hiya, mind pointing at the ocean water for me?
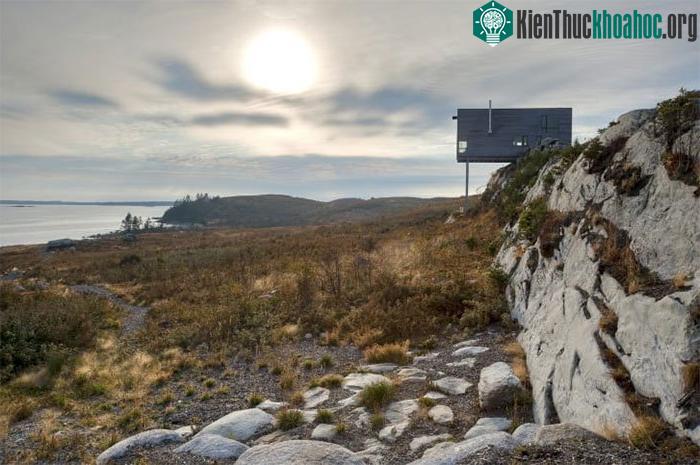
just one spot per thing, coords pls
(37, 224)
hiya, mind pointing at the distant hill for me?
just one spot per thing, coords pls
(255, 211)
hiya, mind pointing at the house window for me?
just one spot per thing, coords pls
(462, 146)
(520, 141)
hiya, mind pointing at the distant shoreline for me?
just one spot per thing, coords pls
(145, 203)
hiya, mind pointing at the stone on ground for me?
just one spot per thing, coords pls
(469, 350)
(453, 385)
(271, 406)
(425, 441)
(392, 432)
(498, 385)
(300, 452)
(323, 432)
(488, 425)
(151, 438)
(434, 395)
(525, 433)
(358, 381)
(454, 453)
(441, 414)
(372, 453)
(466, 362)
(426, 357)
(379, 368)
(351, 401)
(401, 410)
(240, 425)
(213, 447)
(315, 397)
(552, 434)
(469, 342)
(411, 372)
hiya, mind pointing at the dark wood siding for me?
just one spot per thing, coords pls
(508, 125)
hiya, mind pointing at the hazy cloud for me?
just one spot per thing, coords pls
(72, 98)
(245, 119)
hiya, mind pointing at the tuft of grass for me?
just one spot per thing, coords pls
(131, 420)
(289, 419)
(332, 381)
(223, 391)
(388, 353)
(648, 432)
(20, 410)
(165, 398)
(518, 362)
(254, 399)
(608, 322)
(375, 396)
(297, 399)
(308, 364)
(324, 416)
(377, 421)
(209, 382)
(287, 380)
(190, 390)
(341, 428)
(427, 402)
(326, 361)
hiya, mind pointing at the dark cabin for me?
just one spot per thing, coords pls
(505, 134)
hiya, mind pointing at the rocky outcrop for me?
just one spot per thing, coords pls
(299, 453)
(608, 293)
(146, 439)
(240, 425)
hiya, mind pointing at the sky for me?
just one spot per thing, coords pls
(126, 100)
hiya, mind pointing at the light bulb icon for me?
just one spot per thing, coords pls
(493, 21)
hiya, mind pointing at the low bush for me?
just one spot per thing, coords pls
(255, 399)
(332, 381)
(532, 218)
(324, 416)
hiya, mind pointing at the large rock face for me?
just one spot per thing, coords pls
(649, 334)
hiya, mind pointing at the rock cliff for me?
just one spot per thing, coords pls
(603, 265)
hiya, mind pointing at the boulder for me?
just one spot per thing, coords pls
(146, 439)
(213, 447)
(552, 434)
(434, 395)
(469, 350)
(372, 453)
(469, 342)
(441, 414)
(401, 410)
(301, 452)
(454, 453)
(391, 433)
(315, 397)
(525, 433)
(488, 426)
(412, 373)
(358, 381)
(240, 425)
(425, 441)
(324, 432)
(453, 385)
(426, 357)
(498, 386)
(352, 401)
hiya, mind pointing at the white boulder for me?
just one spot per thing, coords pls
(497, 386)
(240, 425)
(213, 446)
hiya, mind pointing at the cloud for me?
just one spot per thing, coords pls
(81, 99)
(246, 119)
(181, 78)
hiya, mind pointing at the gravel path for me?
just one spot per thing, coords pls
(135, 315)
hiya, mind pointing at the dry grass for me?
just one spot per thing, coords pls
(648, 432)
(289, 419)
(691, 375)
(332, 381)
(679, 280)
(296, 399)
(288, 380)
(608, 322)
(388, 353)
(518, 362)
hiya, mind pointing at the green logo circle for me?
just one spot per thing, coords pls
(493, 23)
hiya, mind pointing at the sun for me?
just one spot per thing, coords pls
(280, 61)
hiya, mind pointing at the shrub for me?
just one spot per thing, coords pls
(35, 325)
(376, 396)
(677, 115)
(209, 382)
(308, 364)
(287, 380)
(190, 390)
(254, 399)
(324, 416)
(599, 155)
(331, 381)
(532, 218)
(341, 427)
(289, 419)
(427, 402)
(388, 353)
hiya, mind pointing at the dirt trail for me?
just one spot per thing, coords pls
(135, 315)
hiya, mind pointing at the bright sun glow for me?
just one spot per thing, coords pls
(280, 61)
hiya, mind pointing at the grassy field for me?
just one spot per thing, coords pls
(215, 294)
